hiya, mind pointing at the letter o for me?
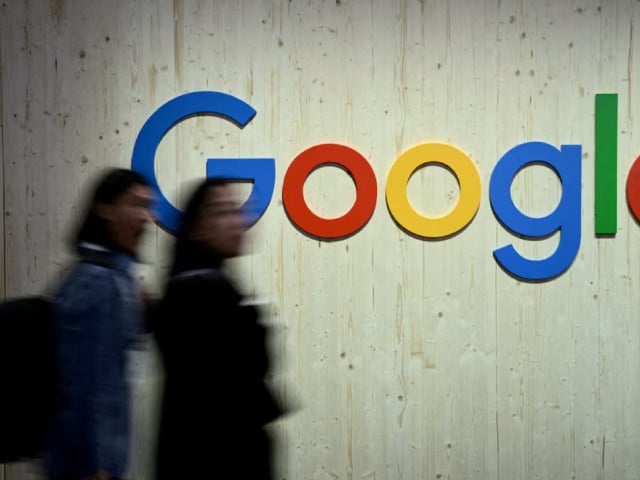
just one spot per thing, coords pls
(356, 166)
(466, 174)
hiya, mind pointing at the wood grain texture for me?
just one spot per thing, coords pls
(407, 359)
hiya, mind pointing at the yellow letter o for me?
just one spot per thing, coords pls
(466, 174)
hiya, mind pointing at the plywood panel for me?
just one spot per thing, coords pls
(407, 358)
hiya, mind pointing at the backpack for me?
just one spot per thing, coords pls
(27, 376)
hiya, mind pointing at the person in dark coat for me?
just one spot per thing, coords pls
(215, 402)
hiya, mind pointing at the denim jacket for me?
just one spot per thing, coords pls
(98, 315)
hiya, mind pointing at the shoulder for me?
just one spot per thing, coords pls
(84, 273)
(204, 278)
(201, 286)
(85, 285)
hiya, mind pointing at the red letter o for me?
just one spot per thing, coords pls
(633, 189)
(360, 171)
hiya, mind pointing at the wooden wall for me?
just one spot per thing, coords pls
(407, 358)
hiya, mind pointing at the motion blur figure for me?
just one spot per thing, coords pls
(98, 312)
(215, 401)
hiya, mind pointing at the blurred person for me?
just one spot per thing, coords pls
(98, 315)
(215, 401)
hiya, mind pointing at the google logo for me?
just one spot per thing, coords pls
(565, 161)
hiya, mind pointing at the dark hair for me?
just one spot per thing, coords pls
(185, 244)
(194, 206)
(113, 183)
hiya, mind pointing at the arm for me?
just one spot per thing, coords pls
(88, 361)
(192, 316)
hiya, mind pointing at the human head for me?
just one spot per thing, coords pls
(117, 212)
(213, 218)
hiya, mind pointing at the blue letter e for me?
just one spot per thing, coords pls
(565, 217)
(260, 171)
